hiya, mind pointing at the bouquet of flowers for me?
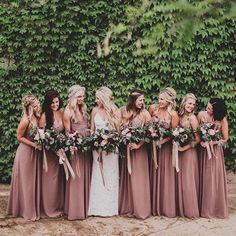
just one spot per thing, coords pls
(208, 132)
(155, 132)
(44, 137)
(74, 142)
(182, 136)
(104, 140)
(131, 134)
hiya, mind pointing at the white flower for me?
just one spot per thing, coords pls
(175, 132)
(203, 130)
(181, 130)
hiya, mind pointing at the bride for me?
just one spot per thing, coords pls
(104, 198)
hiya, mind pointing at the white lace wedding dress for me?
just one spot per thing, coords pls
(104, 199)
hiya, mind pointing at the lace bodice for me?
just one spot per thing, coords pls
(99, 122)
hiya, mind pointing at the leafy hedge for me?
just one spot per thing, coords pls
(53, 45)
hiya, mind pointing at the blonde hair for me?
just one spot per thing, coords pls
(27, 106)
(170, 96)
(72, 107)
(105, 95)
(182, 105)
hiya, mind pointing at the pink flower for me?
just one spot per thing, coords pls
(104, 142)
(211, 132)
(128, 135)
(104, 136)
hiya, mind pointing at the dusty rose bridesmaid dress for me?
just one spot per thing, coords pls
(53, 190)
(24, 197)
(134, 194)
(188, 183)
(78, 189)
(213, 184)
(164, 182)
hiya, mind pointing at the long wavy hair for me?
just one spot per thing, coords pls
(46, 107)
(73, 109)
(183, 102)
(170, 96)
(132, 110)
(27, 106)
(219, 108)
(105, 95)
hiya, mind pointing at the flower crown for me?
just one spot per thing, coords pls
(27, 100)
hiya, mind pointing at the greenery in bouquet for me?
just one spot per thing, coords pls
(156, 131)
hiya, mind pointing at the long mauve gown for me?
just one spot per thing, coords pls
(188, 182)
(24, 197)
(213, 184)
(78, 189)
(52, 195)
(134, 194)
(163, 181)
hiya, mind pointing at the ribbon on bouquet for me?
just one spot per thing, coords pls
(210, 150)
(154, 152)
(66, 164)
(100, 162)
(45, 162)
(74, 153)
(175, 156)
(128, 160)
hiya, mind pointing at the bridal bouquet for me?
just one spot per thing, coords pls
(155, 132)
(208, 132)
(182, 136)
(105, 140)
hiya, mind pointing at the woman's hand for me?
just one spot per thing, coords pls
(203, 144)
(37, 146)
(133, 146)
(181, 149)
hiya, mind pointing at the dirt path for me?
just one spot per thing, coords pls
(120, 225)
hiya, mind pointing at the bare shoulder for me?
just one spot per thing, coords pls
(201, 114)
(174, 114)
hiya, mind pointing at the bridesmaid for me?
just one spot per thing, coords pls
(163, 179)
(52, 196)
(188, 177)
(77, 190)
(134, 196)
(213, 185)
(24, 197)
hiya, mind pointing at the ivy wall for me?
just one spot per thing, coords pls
(53, 45)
